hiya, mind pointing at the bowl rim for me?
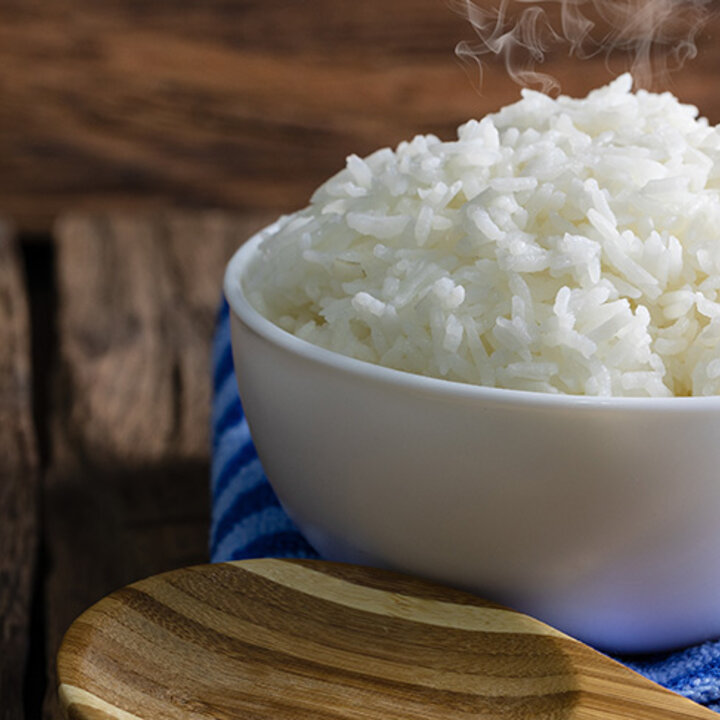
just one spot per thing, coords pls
(265, 328)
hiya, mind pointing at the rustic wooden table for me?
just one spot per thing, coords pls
(104, 419)
(112, 113)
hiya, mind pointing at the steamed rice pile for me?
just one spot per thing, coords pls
(561, 246)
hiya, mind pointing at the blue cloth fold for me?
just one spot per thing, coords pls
(248, 522)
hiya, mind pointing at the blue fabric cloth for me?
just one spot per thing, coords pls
(248, 522)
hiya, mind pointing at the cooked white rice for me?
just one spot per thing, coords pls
(561, 246)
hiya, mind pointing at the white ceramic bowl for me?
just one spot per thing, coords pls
(599, 516)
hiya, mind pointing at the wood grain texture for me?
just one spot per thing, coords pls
(310, 640)
(18, 480)
(249, 104)
(127, 494)
(137, 301)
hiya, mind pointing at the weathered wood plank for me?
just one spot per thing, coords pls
(248, 104)
(18, 481)
(127, 495)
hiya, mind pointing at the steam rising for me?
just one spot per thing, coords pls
(657, 35)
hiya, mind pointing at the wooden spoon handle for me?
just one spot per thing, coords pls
(311, 640)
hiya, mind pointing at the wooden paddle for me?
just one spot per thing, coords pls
(309, 640)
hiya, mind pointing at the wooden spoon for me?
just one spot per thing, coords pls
(308, 640)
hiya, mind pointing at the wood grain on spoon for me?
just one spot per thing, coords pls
(305, 639)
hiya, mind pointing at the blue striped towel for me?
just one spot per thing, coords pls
(248, 522)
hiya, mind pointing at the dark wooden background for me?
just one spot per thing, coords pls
(141, 141)
(243, 104)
